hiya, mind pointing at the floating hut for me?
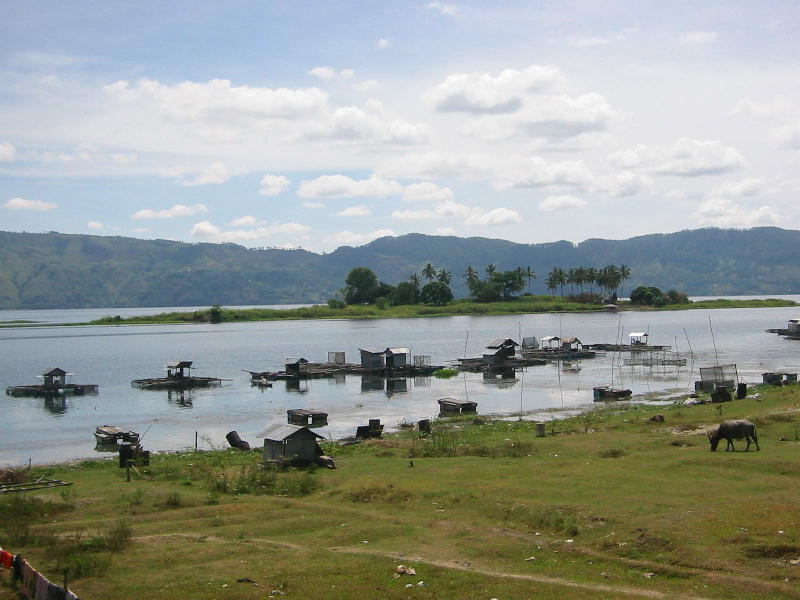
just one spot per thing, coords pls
(638, 339)
(178, 377)
(54, 383)
(307, 417)
(449, 407)
(553, 347)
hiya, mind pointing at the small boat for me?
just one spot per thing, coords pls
(605, 392)
(109, 434)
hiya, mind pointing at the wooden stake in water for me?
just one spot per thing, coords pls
(713, 341)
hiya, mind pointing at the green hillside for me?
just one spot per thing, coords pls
(54, 270)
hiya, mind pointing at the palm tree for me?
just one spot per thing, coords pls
(470, 274)
(429, 272)
(551, 283)
(529, 274)
(444, 276)
(414, 279)
(624, 273)
(490, 269)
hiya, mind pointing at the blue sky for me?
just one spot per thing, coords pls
(320, 124)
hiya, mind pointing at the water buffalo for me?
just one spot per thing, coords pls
(734, 430)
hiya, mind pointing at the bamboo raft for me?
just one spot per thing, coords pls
(69, 389)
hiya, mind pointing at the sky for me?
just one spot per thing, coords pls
(316, 124)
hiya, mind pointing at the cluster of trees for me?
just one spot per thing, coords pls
(497, 285)
(607, 278)
(362, 287)
(652, 296)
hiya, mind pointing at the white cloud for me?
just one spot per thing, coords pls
(7, 153)
(329, 73)
(207, 230)
(560, 203)
(779, 107)
(444, 231)
(438, 165)
(483, 93)
(470, 215)
(444, 8)
(348, 238)
(537, 172)
(383, 43)
(272, 185)
(312, 205)
(496, 216)
(178, 210)
(685, 158)
(426, 192)
(739, 189)
(788, 135)
(721, 212)
(208, 117)
(214, 173)
(341, 186)
(697, 38)
(23, 204)
(247, 221)
(355, 211)
(96, 225)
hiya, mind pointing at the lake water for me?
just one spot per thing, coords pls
(111, 356)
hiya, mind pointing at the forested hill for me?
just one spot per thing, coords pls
(56, 270)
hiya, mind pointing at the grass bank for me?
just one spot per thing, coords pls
(524, 304)
(609, 504)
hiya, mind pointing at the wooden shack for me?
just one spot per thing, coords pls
(372, 359)
(551, 342)
(395, 358)
(179, 369)
(453, 406)
(290, 443)
(54, 378)
(638, 338)
(307, 417)
(501, 350)
(295, 366)
(571, 343)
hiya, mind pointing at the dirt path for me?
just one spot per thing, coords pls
(443, 564)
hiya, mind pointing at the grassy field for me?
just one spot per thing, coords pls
(524, 304)
(607, 505)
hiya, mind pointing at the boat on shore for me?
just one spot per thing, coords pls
(606, 392)
(106, 435)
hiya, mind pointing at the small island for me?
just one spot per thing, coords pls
(496, 293)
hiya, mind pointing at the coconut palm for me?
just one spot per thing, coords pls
(529, 274)
(444, 276)
(429, 272)
(490, 269)
(470, 274)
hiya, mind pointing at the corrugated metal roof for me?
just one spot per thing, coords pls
(397, 351)
(177, 364)
(570, 340)
(370, 351)
(55, 371)
(638, 335)
(500, 342)
(279, 431)
(550, 338)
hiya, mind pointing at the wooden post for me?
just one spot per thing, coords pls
(195, 441)
(128, 469)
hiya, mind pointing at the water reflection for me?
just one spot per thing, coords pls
(56, 404)
(181, 398)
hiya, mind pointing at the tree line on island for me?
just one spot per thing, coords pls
(586, 284)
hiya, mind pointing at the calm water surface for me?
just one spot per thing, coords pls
(111, 356)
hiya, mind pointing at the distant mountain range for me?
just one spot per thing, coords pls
(55, 270)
